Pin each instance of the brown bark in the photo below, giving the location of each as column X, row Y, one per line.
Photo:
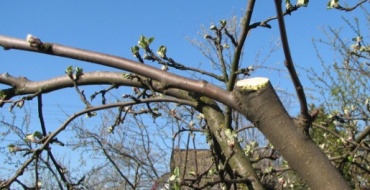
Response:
column 238, row 162
column 263, row 107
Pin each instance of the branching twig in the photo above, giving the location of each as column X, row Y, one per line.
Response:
column 187, row 130
column 244, row 128
column 233, row 41
column 334, row 133
column 46, row 162
column 265, row 22
column 348, row 9
column 166, row 61
column 103, row 92
column 113, row 163
column 217, row 40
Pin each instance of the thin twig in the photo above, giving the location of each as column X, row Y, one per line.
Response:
column 348, row 9
column 265, row 22
column 113, row 163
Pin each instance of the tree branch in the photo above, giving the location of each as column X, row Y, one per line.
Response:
column 168, row 80
column 265, row 22
column 290, row 65
column 236, row 59
column 348, row 9
column 258, row 99
column 239, row 48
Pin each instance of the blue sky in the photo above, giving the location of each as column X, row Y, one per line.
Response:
column 114, row 26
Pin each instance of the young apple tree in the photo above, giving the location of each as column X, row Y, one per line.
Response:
column 192, row 106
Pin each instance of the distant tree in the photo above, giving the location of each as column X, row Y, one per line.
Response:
column 343, row 128
column 184, row 105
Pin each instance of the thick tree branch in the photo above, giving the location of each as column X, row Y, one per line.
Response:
column 258, row 98
column 363, row 134
column 23, row 86
column 235, row 155
column 167, row 79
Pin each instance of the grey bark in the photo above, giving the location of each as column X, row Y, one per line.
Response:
column 265, row 110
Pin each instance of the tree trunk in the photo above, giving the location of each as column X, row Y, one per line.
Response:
column 259, row 103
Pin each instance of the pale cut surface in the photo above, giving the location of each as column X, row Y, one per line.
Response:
column 255, row 83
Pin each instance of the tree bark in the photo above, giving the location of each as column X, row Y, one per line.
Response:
column 259, row 102
column 238, row 162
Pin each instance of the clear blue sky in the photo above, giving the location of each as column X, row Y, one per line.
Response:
column 114, row 26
